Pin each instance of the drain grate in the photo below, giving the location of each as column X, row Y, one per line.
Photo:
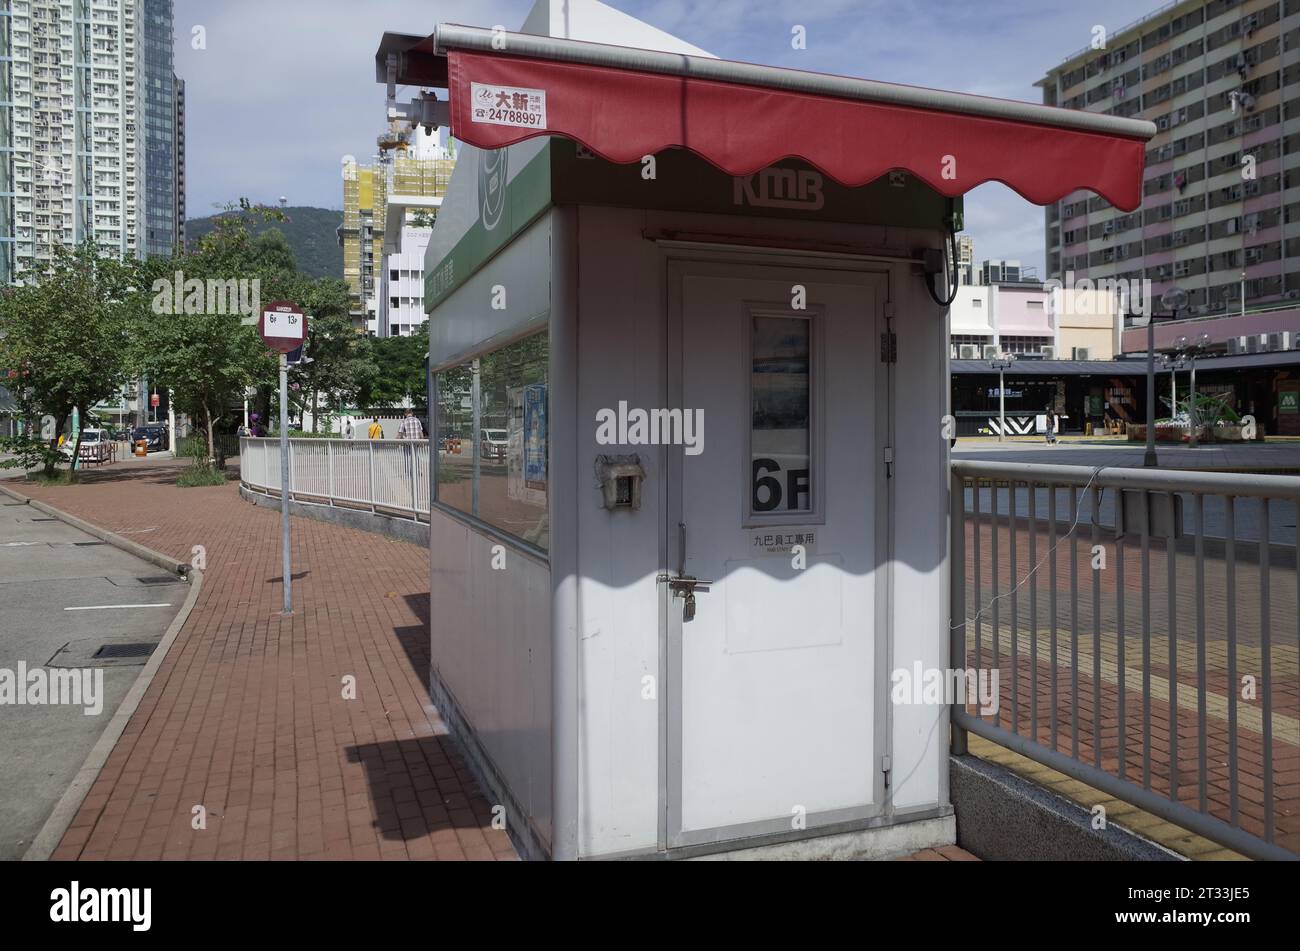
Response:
column 159, row 579
column 121, row 651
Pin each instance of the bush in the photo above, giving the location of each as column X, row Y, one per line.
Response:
column 61, row 477
column 194, row 447
column 201, row 476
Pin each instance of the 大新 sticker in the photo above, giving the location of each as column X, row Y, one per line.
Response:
column 508, row 105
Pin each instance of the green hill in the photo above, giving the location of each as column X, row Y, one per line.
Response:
column 311, row 232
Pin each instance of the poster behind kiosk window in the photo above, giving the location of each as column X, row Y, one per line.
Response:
column 535, row 436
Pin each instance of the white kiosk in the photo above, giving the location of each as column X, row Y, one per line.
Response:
column 691, row 488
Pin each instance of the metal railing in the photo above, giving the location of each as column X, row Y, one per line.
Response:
column 391, row 477
column 1142, row 626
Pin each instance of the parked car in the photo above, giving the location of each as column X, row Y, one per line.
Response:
column 96, row 446
column 156, row 436
column 493, row 443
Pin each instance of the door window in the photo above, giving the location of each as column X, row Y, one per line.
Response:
column 781, row 440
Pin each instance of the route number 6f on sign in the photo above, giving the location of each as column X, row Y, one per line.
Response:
column 283, row 326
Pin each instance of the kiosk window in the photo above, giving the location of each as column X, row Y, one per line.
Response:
column 508, row 437
column 780, row 442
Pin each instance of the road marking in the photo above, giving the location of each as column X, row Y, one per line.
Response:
column 118, row 607
column 22, row 544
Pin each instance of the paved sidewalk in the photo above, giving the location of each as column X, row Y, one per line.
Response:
column 246, row 717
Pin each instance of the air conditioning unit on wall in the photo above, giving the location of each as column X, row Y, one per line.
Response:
column 969, row 351
column 990, row 352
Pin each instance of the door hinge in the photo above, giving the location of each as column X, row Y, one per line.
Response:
column 888, row 347
column 889, row 462
column 885, row 766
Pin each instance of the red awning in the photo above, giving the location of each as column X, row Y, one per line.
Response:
column 743, row 118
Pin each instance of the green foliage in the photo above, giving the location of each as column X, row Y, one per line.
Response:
column 29, row 453
column 340, row 358
column 396, row 372
column 194, row 447
column 78, row 329
column 310, row 234
column 274, row 433
column 63, row 477
column 208, row 359
column 68, row 328
column 196, row 477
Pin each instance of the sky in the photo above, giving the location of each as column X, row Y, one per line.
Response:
column 281, row 90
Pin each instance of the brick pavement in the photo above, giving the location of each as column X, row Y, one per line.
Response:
column 246, row 716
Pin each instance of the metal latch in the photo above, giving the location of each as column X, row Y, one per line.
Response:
column 683, row 586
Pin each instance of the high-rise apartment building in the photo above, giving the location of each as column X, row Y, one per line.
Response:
column 86, row 100
column 965, row 260
column 180, row 161
column 164, row 155
column 1221, row 207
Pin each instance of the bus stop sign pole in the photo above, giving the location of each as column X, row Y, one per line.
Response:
column 284, row 329
column 286, row 477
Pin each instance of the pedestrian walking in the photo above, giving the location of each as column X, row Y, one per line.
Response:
column 376, row 431
column 411, row 427
column 347, row 429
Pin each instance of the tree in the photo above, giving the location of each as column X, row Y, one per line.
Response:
column 399, row 375
column 273, row 253
column 207, row 358
column 339, row 359
column 69, row 327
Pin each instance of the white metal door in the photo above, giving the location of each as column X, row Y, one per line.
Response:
column 776, row 714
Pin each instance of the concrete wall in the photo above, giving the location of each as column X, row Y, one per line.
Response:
column 972, row 311
column 1023, row 312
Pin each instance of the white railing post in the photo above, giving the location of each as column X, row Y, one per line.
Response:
column 370, row 497
column 287, row 478
column 329, row 465
column 415, row 502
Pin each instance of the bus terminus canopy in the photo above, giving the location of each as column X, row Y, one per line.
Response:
column 689, row 540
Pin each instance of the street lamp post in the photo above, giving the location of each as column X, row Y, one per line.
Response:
column 1193, row 418
column 1002, row 362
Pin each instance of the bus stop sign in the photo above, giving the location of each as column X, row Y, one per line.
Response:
column 283, row 326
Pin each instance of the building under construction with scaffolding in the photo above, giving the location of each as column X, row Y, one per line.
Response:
column 388, row 213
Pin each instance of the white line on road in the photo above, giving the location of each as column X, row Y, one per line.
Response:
column 118, row 607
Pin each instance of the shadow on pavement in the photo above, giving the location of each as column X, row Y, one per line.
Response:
column 416, row 788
